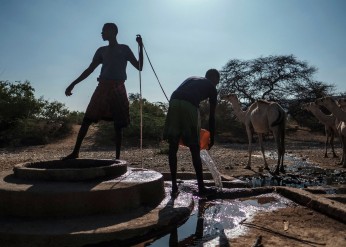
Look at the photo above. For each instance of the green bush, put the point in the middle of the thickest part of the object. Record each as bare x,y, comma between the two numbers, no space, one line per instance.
153,123
25,120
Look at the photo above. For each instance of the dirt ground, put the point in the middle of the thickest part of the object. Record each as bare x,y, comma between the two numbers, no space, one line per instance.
307,227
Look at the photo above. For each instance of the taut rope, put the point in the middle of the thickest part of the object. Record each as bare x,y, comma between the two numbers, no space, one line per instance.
140,98
155,73
140,106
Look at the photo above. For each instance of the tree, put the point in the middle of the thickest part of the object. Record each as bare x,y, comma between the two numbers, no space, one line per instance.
153,119
54,111
283,79
309,92
226,124
17,101
275,78
153,123
27,120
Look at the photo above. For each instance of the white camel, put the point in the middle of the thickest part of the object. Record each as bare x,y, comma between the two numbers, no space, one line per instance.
262,117
329,122
342,103
334,108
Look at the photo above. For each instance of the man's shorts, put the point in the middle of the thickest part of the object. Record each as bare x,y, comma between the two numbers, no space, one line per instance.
109,102
182,122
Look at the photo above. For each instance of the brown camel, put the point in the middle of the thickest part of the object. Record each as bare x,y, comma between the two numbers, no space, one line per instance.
334,108
262,117
329,122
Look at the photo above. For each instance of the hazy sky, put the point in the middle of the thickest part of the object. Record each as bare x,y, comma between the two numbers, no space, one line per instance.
51,42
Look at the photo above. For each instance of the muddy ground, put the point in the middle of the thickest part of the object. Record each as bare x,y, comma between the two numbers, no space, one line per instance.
307,227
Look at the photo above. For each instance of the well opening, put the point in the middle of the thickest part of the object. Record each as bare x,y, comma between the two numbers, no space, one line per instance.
70,164
70,170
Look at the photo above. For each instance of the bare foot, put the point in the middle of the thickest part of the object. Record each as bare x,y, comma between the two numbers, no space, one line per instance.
71,156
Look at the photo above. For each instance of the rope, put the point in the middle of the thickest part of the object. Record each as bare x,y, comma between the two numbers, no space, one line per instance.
145,50
140,107
140,98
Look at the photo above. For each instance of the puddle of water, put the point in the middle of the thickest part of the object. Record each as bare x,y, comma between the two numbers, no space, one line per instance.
300,174
214,223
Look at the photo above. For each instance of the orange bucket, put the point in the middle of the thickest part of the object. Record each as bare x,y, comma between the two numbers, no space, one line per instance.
204,139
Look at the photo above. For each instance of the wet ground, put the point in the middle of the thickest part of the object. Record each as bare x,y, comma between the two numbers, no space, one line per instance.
223,222
217,222
269,219
300,174
305,165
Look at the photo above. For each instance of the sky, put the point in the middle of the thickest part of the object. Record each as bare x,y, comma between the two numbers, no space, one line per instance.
51,42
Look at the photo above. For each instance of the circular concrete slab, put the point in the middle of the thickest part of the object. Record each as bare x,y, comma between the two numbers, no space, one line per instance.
39,199
116,230
70,170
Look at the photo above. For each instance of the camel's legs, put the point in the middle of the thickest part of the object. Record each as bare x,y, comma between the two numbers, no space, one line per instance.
329,140
280,144
283,149
281,156
332,144
249,136
260,140
277,169
342,138
326,143
343,160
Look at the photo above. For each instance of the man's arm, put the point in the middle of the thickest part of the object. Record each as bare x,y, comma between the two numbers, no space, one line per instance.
138,64
212,123
85,74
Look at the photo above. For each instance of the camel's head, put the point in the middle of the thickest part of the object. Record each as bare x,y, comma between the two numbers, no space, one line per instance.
229,97
324,101
342,102
309,106
306,106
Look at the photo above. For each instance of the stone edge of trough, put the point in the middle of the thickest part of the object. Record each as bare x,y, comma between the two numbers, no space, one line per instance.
333,209
326,206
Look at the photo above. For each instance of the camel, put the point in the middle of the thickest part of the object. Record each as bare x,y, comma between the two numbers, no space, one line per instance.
262,117
342,103
334,108
329,122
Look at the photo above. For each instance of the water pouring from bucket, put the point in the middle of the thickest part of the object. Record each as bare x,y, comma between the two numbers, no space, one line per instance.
206,159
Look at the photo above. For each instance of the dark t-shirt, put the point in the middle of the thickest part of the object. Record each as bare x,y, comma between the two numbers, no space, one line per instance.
114,61
195,90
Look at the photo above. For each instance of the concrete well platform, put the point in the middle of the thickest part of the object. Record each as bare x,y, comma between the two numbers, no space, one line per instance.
107,230
32,199
85,202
